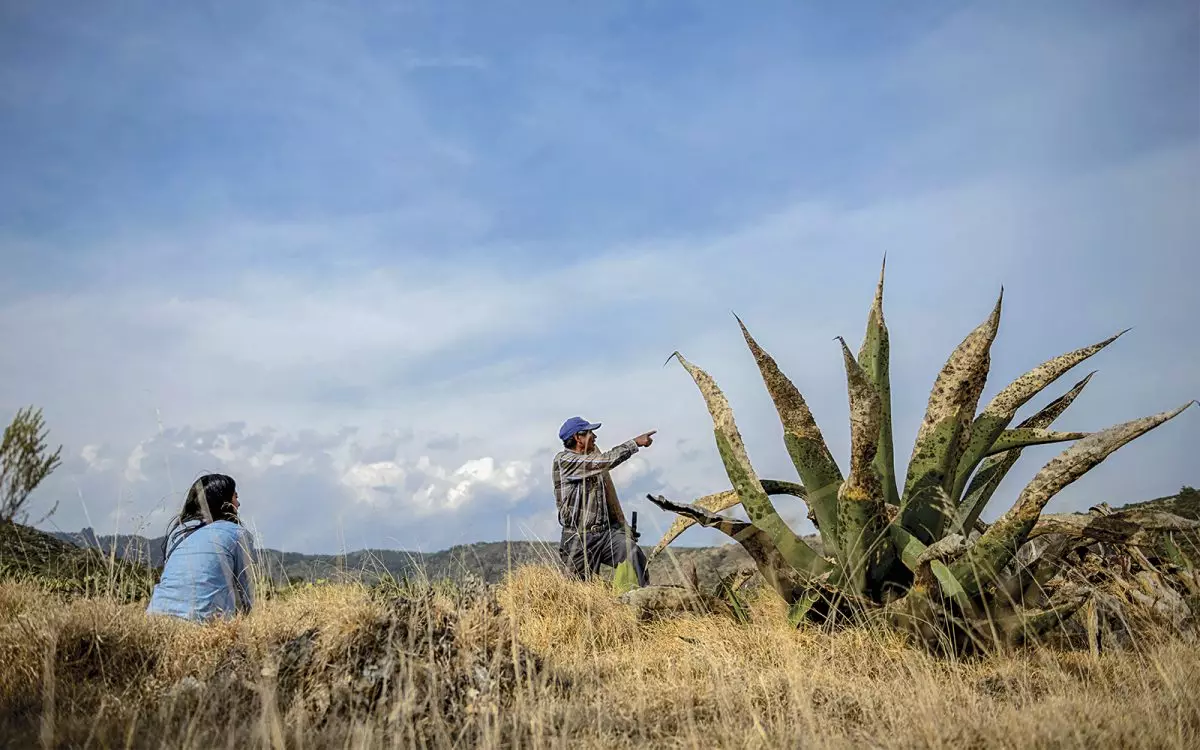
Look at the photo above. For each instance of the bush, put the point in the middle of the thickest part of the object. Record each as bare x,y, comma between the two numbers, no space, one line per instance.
25,461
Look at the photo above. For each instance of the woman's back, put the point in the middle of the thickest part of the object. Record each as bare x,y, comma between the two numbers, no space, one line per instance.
207,574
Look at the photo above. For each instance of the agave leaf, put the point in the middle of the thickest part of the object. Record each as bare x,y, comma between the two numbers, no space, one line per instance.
950,586
931,566
624,578
873,356
864,420
994,468
935,453
720,501
920,610
973,387
779,573
1017,393
1000,410
805,444
745,482
907,546
1023,437
798,610
727,589
997,546
861,517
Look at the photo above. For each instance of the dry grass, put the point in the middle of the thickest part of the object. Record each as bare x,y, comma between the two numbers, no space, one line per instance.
544,662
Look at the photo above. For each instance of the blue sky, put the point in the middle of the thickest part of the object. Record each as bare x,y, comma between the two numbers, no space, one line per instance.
366,257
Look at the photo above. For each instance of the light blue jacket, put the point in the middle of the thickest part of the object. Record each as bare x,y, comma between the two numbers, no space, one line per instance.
207,575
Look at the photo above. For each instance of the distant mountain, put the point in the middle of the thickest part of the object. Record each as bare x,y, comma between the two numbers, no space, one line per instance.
488,560
130,547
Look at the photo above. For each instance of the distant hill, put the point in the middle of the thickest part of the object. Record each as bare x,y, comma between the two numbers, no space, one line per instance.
1185,503
488,560
28,553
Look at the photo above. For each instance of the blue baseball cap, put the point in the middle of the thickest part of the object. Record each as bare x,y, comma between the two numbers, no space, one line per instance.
574,425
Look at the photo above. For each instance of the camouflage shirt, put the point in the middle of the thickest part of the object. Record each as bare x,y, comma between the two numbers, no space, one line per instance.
583,489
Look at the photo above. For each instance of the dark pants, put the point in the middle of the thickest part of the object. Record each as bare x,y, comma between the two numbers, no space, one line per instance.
584,552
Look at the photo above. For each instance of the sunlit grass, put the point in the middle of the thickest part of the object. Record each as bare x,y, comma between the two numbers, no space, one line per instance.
541,661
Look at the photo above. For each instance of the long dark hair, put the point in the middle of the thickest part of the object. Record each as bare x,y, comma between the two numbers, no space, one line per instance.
209,499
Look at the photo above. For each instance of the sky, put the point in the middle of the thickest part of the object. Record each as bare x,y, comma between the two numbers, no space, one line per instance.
366,257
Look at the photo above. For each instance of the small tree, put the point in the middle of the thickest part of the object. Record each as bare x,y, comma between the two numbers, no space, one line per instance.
24,462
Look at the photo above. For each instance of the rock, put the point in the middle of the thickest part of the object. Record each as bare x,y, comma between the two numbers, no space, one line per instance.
187,686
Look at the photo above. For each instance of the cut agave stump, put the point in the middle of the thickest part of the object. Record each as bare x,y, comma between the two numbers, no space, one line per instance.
651,602
909,546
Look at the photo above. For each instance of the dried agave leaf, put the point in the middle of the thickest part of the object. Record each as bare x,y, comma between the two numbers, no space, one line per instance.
994,468
779,573
745,481
1023,437
1132,527
996,548
805,444
874,358
721,501
862,521
999,412
941,436
1026,626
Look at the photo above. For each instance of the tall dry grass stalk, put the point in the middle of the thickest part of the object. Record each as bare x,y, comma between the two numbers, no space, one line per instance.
544,662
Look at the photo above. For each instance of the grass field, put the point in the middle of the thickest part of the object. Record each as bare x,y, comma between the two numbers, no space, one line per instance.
540,661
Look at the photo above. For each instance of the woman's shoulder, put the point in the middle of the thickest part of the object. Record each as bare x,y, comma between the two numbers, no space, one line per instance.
228,530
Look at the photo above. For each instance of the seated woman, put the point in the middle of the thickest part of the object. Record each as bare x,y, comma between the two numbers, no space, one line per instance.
206,556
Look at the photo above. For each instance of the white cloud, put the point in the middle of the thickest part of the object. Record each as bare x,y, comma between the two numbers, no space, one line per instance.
384,484
481,476
278,459
133,465
376,483
93,456
630,472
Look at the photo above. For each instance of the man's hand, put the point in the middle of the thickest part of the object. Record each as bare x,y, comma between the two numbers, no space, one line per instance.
645,440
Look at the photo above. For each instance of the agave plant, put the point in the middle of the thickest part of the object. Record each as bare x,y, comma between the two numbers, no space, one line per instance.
910,547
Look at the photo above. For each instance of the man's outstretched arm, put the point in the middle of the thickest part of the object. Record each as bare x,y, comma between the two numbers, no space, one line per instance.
579,466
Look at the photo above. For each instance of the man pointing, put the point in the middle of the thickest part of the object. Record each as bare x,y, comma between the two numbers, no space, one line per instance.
594,531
